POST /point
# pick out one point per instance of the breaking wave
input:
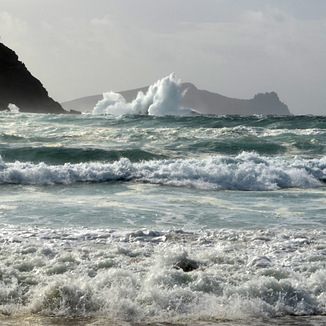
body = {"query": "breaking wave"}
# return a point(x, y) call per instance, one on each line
point(247, 171)
point(147, 276)
point(162, 98)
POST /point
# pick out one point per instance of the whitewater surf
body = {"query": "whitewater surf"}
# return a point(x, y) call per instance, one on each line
point(132, 218)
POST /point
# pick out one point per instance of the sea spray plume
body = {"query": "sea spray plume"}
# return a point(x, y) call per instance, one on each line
point(112, 103)
point(162, 98)
point(166, 97)
point(13, 108)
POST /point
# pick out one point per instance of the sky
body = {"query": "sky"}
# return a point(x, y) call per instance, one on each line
point(236, 48)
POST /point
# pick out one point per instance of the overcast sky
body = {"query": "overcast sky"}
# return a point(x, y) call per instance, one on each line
point(236, 48)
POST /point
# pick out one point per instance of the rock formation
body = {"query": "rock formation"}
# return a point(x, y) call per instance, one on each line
point(19, 87)
point(213, 103)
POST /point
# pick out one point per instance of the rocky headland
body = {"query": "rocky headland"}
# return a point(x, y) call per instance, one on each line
point(19, 87)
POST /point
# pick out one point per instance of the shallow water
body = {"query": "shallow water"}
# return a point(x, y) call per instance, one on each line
point(141, 220)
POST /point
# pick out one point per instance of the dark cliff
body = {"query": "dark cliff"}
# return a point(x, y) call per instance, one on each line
point(19, 87)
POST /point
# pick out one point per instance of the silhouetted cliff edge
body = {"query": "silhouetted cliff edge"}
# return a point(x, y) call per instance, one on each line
point(202, 101)
point(19, 87)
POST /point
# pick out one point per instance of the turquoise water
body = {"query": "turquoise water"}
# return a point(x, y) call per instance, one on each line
point(146, 218)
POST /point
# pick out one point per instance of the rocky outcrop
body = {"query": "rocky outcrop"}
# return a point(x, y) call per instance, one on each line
point(213, 103)
point(19, 87)
point(202, 101)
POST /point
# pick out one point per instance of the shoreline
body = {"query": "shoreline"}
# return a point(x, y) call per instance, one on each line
point(34, 320)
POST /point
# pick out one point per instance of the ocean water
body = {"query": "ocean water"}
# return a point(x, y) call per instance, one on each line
point(144, 219)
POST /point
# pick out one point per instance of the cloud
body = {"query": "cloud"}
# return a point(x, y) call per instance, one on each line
point(11, 25)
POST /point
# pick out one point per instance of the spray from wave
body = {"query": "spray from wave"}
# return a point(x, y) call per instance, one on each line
point(162, 98)
point(13, 108)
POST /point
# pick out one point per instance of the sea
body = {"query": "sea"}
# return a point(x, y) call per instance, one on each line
point(139, 219)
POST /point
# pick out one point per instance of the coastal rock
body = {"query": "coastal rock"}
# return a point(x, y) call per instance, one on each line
point(18, 86)
point(213, 103)
point(202, 101)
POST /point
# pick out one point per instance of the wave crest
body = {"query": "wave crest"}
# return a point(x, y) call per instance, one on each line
point(247, 171)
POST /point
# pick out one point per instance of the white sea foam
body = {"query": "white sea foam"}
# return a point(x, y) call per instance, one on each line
point(162, 276)
point(162, 98)
point(247, 171)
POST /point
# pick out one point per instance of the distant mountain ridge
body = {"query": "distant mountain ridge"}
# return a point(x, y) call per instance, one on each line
point(202, 101)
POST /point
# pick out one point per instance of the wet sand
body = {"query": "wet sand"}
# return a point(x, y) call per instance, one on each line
point(64, 321)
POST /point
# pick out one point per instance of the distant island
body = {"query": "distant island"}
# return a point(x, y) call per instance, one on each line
point(20, 88)
point(200, 100)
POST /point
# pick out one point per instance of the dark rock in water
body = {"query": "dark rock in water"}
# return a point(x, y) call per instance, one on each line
point(19, 87)
point(187, 265)
point(74, 112)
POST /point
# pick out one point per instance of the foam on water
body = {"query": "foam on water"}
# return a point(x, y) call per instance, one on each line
point(162, 276)
point(259, 253)
point(247, 171)
point(162, 98)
